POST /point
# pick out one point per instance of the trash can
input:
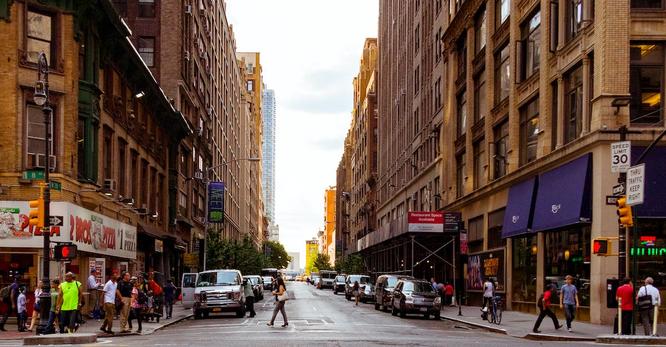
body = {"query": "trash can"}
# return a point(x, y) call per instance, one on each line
point(611, 289)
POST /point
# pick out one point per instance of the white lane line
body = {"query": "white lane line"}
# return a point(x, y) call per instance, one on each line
point(314, 308)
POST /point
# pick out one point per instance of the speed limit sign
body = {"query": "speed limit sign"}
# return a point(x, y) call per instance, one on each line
point(620, 156)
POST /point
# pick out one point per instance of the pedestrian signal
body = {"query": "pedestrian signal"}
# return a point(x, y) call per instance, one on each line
point(600, 246)
point(64, 252)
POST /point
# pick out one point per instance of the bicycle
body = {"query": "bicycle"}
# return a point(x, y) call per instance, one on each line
point(494, 314)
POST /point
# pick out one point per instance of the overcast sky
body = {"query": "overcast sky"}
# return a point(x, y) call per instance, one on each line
point(310, 52)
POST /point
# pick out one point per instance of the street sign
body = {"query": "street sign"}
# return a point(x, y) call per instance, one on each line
point(33, 174)
point(618, 189)
point(611, 199)
point(215, 202)
point(635, 185)
point(452, 221)
point(56, 221)
point(620, 156)
point(55, 185)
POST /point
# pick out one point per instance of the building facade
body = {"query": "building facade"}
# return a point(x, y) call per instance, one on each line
point(269, 115)
point(343, 235)
point(311, 251)
point(295, 263)
point(329, 223)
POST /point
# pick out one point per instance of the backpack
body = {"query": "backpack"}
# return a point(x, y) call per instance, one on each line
point(554, 296)
point(143, 298)
point(540, 302)
point(6, 292)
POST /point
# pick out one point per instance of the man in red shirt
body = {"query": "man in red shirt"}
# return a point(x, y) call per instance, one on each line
point(544, 309)
point(625, 293)
point(448, 293)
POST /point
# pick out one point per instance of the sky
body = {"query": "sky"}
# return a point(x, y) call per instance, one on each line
point(310, 53)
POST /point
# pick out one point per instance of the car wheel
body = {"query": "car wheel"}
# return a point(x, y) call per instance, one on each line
point(240, 313)
point(205, 315)
point(376, 307)
point(403, 314)
point(394, 312)
point(437, 315)
point(426, 316)
point(197, 315)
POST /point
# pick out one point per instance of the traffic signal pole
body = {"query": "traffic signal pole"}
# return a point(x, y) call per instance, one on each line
point(622, 232)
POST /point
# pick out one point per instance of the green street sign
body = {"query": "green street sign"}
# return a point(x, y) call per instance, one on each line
point(33, 174)
point(55, 185)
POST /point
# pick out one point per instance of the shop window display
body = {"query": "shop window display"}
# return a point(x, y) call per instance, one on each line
point(567, 252)
point(524, 268)
point(650, 251)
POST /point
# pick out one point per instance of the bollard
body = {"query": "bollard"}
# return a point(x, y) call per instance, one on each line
point(619, 316)
point(654, 325)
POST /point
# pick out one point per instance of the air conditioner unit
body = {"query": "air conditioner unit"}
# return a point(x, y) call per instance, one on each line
point(109, 185)
point(39, 160)
point(188, 9)
point(186, 55)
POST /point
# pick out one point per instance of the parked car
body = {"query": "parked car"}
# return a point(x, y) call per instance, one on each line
point(268, 282)
point(188, 286)
point(415, 296)
point(317, 282)
point(366, 291)
point(339, 285)
point(299, 278)
point(384, 290)
point(257, 286)
point(313, 277)
point(219, 291)
point(327, 278)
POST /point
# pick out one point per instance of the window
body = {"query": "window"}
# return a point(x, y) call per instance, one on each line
point(480, 34)
point(145, 182)
point(529, 131)
point(108, 153)
point(480, 164)
point(524, 264)
point(646, 4)
point(480, 102)
point(501, 134)
point(567, 252)
point(122, 167)
point(134, 160)
point(417, 39)
point(573, 104)
point(461, 50)
point(460, 174)
point(436, 193)
point(81, 149)
point(475, 234)
point(36, 135)
point(502, 8)
point(531, 43)
point(121, 7)
point(153, 190)
point(438, 93)
point(147, 8)
point(646, 83)
point(495, 221)
point(40, 36)
point(147, 50)
point(438, 45)
point(417, 84)
point(502, 74)
point(575, 17)
point(461, 112)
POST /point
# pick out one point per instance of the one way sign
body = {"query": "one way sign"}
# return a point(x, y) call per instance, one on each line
point(56, 221)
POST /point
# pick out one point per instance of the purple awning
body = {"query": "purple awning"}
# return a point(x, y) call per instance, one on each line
point(518, 213)
point(564, 196)
point(655, 182)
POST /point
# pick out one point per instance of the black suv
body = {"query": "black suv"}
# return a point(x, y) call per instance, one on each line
point(415, 296)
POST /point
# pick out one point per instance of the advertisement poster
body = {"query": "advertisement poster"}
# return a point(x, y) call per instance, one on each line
point(99, 264)
point(484, 265)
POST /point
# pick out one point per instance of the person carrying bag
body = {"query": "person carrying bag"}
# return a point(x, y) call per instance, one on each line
point(646, 299)
point(282, 296)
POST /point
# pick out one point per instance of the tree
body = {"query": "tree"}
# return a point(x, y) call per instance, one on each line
point(323, 262)
point(226, 254)
point(276, 255)
point(351, 264)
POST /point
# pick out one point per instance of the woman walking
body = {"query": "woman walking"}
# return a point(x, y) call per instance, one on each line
point(356, 292)
point(281, 296)
point(138, 303)
point(35, 308)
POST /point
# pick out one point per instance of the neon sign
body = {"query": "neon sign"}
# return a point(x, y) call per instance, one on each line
point(648, 241)
point(648, 251)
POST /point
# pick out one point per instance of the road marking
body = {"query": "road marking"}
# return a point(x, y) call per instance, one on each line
point(314, 308)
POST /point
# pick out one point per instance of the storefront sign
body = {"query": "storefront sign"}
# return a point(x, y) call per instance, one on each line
point(635, 183)
point(159, 246)
point(215, 202)
point(484, 266)
point(452, 221)
point(463, 243)
point(89, 231)
point(425, 222)
point(191, 259)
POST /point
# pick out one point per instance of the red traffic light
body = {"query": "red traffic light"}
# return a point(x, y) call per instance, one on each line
point(64, 252)
point(600, 247)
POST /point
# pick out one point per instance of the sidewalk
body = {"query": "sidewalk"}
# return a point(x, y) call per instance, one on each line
point(92, 326)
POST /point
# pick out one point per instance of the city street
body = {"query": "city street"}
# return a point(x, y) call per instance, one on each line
point(321, 318)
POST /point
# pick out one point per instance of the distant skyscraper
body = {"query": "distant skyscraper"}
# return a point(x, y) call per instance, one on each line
point(273, 232)
point(268, 150)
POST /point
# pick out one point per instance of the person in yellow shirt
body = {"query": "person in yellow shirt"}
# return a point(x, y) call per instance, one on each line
point(69, 297)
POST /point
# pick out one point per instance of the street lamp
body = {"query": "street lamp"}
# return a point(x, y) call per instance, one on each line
point(207, 182)
point(41, 98)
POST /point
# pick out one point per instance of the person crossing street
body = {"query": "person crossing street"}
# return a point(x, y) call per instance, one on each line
point(69, 297)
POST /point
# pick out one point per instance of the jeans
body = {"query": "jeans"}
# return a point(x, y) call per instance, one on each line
point(22, 318)
point(168, 303)
point(570, 313)
point(138, 314)
point(51, 323)
point(542, 314)
point(279, 306)
point(68, 319)
point(646, 319)
point(249, 304)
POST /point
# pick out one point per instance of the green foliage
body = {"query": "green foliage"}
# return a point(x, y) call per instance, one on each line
point(323, 262)
point(352, 264)
point(226, 254)
point(276, 255)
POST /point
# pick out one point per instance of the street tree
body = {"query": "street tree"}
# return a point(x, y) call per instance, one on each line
point(275, 255)
point(323, 262)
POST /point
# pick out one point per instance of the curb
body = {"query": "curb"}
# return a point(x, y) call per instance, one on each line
point(177, 320)
point(477, 325)
point(548, 337)
point(62, 339)
point(631, 340)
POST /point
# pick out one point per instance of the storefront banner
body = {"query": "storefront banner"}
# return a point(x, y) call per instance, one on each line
point(89, 231)
point(485, 265)
point(425, 222)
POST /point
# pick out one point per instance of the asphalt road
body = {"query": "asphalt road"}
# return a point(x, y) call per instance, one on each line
point(317, 317)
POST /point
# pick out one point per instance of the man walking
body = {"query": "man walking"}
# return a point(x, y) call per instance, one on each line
point(648, 297)
point(544, 309)
point(169, 297)
point(9, 296)
point(249, 297)
point(569, 301)
point(69, 297)
point(125, 289)
point(110, 293)
point(625, 293)
point(93, 287)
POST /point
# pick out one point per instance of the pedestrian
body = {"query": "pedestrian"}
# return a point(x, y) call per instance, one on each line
point(625, 294)
point(488, 294)
point(249, 297)
point(9, 295)
point(647, 298)
point(21, 310)
point(53, 314)
point(281, 296)
point(138, 303)
point(433, 283)
point(69, 297)
point(569, 301)
point(110, 294)
point(448, 293)
point(544, 309)
point(35, 307)
point(356, 291)
point(155, 299)
point(125, 290)
point(169, 297)
point(93, 289)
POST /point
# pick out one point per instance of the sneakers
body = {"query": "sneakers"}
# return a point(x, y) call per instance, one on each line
point(536, 331)
point(570, 330)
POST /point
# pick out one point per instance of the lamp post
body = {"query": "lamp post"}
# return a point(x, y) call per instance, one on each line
point(41, 98)
point(207, 182)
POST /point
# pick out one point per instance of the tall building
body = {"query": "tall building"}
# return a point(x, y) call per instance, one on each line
point(311, 251)
point(295, 263)
point(535, 93)
point(343, 238)
point(329, 223)
point(268, 150)
point(274, 232)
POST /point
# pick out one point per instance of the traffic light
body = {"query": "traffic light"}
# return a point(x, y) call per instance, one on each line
point(64, 252)
point(600, 246)
point(36, 213)
point(625, 218)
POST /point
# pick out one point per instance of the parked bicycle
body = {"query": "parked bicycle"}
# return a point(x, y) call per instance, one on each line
point(494, 314)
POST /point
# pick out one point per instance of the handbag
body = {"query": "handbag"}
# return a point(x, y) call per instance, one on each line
point(284, 296)
point(645, 301)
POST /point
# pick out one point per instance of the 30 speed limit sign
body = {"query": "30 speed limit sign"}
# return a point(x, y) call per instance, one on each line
point(620, 156)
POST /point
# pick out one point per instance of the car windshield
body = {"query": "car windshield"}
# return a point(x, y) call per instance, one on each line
point(340, 279)
point(417, 287)
point(254, 280)
point(217, 278)
point(360, 279)
point(391, 282)
point(268, 279)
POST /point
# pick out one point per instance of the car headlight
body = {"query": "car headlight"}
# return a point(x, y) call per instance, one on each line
point(437, 301)
point(237, 295)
